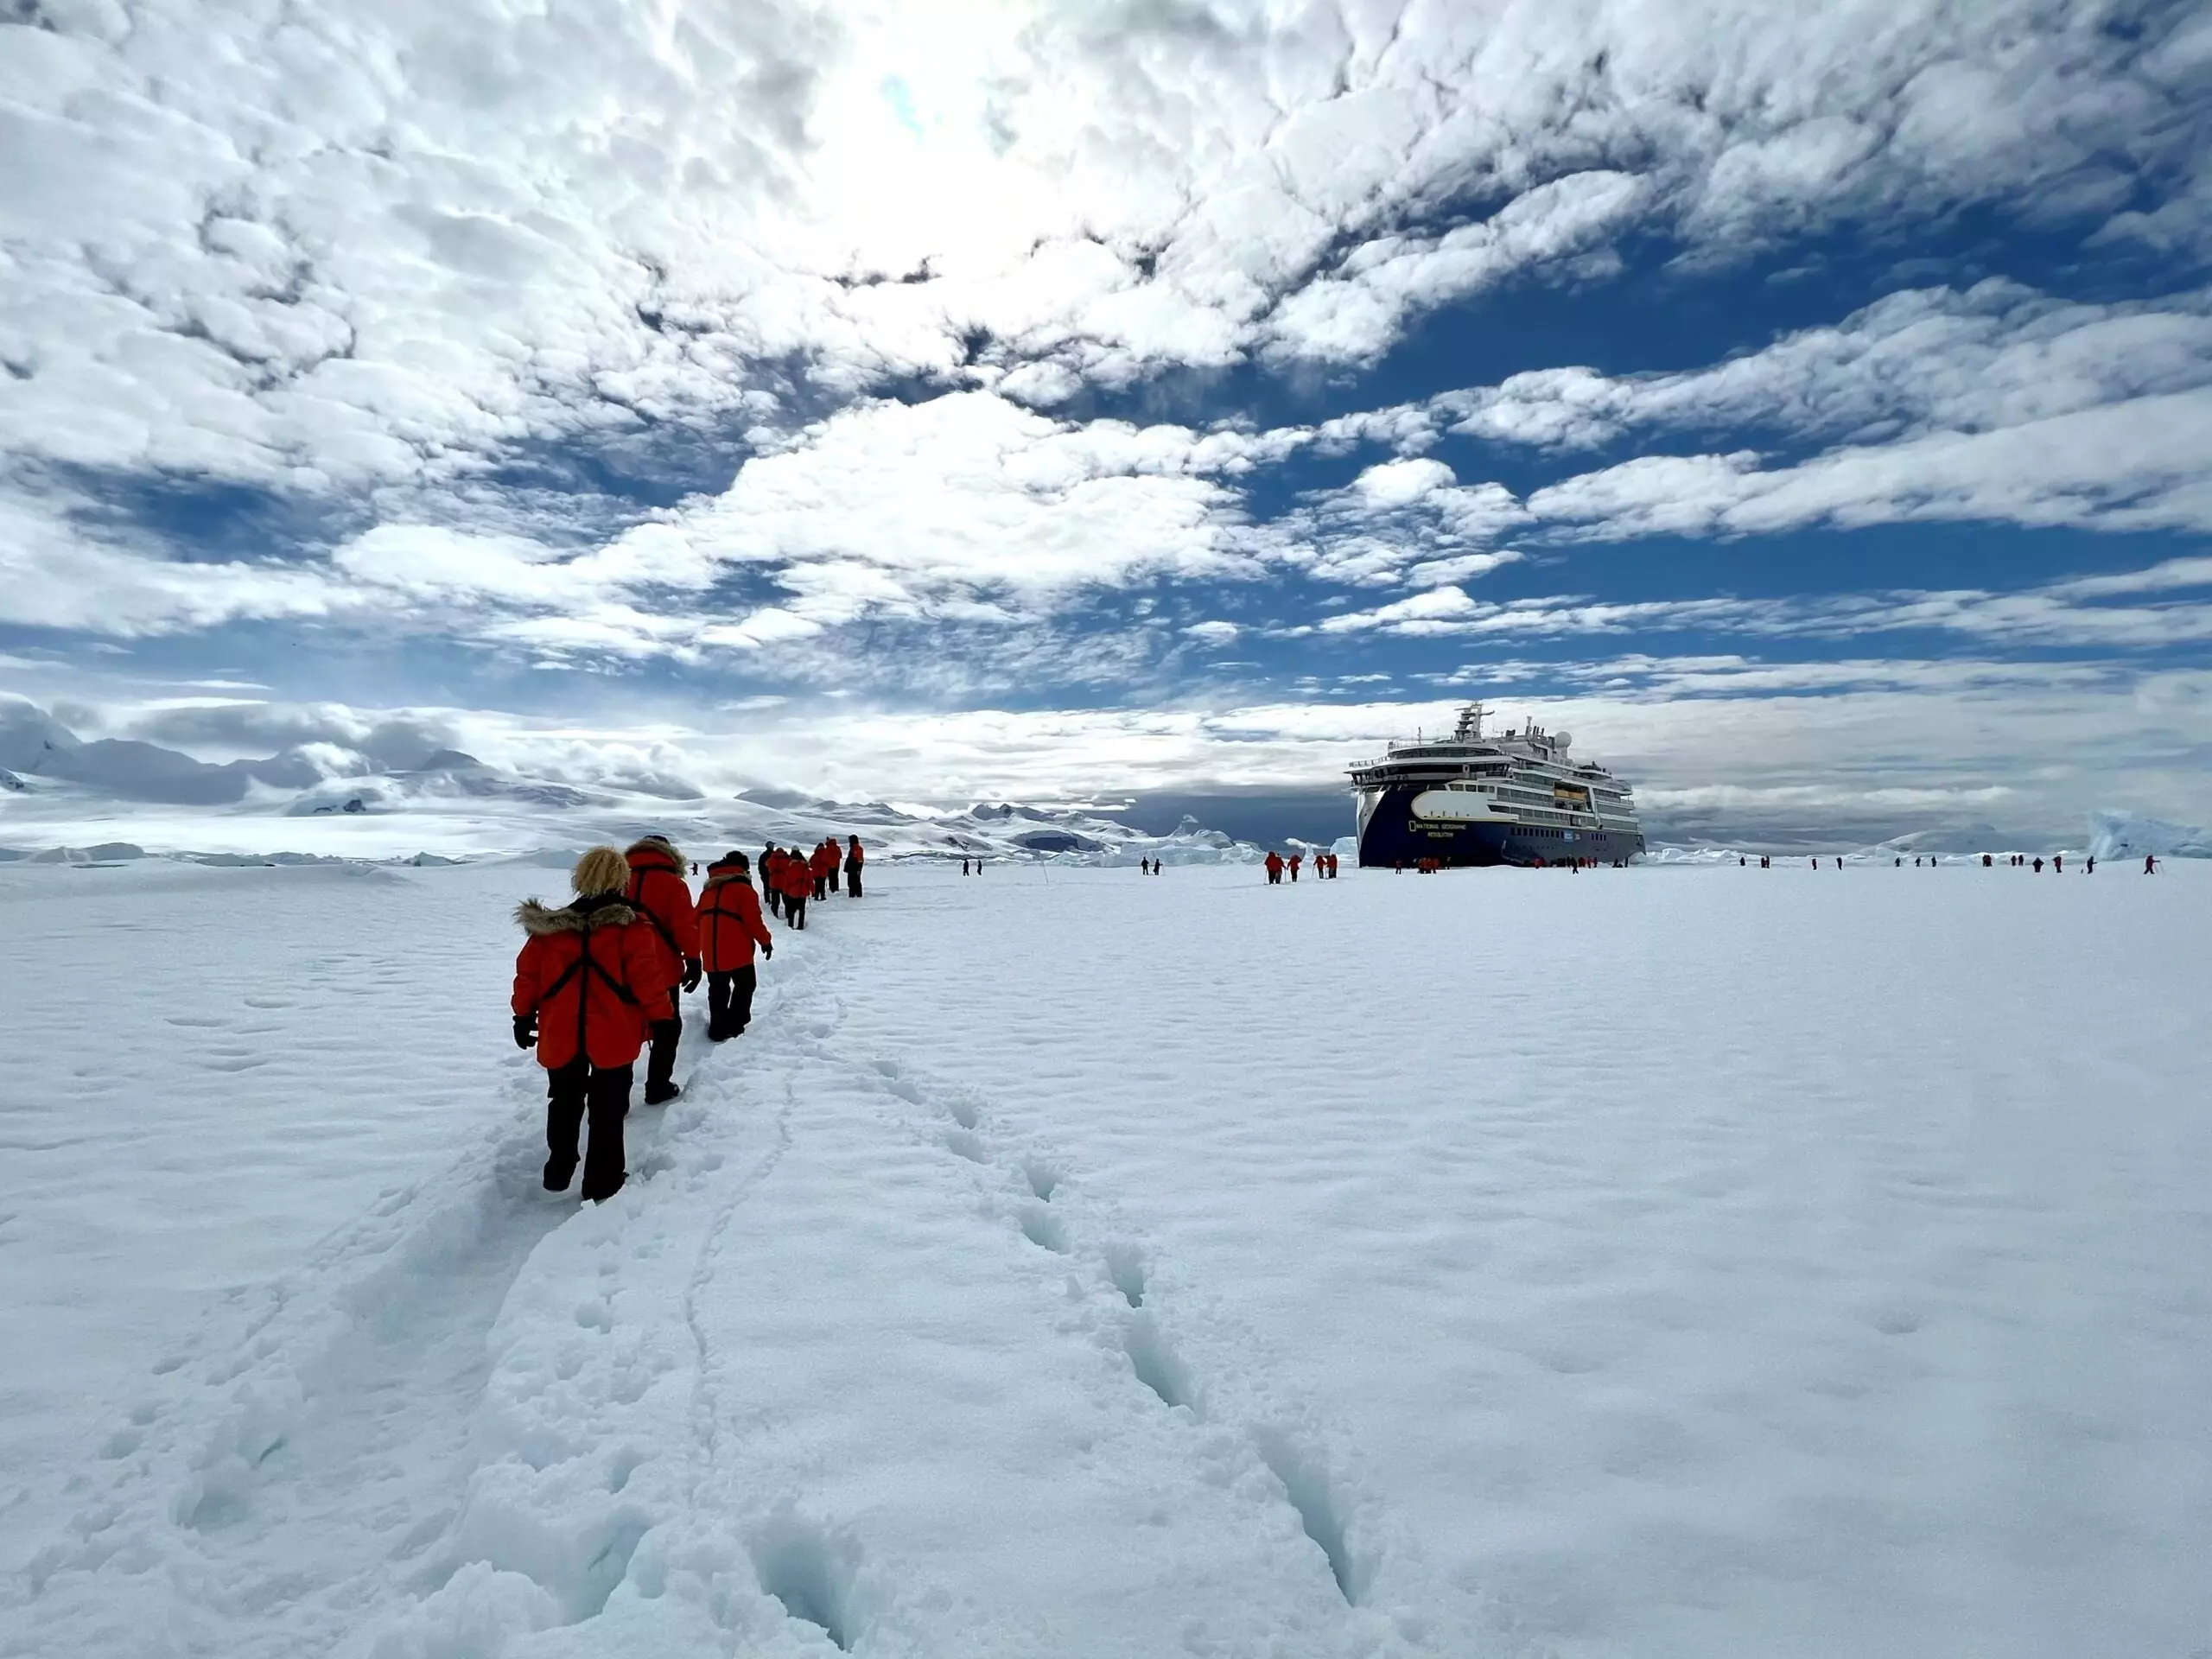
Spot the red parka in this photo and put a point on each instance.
(1275, 863)
(729, 921)
(662, 898)
(794, 879)
(593, 975)
(824, 861)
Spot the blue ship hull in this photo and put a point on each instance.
(1393, 835)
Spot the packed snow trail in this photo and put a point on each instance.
(1639, 1263)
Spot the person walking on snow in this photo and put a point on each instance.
(729, 927)
(1274, 867)
(1295, 859)
(769, 893)
(822, 864)
(658, 893)
(855, 858)
(795, 881)
(2149, 864)
(586, 981)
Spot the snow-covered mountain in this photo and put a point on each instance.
(323, 801)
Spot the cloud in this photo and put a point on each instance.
(337, 248)
(2136, 464)
(1913, 364)
(2050, 615)
(1213, 633)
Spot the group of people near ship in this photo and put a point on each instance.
(2016, 861)
(602, 979)
(1325, 866)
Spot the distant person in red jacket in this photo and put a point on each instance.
(1274, 867)
(658, 893)
(588, 980)
(855, 858)
(729, 927)
(822, 865)
(1296, 859)
(795, 881)
(770, 894)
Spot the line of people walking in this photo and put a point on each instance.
(602, 979)
(1325, 866)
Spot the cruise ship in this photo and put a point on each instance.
(1509, 797)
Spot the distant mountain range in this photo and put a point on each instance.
(57, 791)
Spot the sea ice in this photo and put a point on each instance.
(1678, 1261)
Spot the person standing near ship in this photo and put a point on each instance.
(729, 927)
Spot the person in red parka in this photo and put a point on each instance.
(586, 981)
(1275, 867)
(822, 865)
(855, 858)
(769, 895)
(658, 893)
(795, 881)
(729, 927)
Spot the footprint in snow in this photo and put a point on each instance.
(813, 1571)
(1043, 1229)
(1157, 1365)
(1125, 1269)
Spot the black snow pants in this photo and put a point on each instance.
(729, 1002)
(794, 910)
(660, 1062)
(604, 1090)
(853, 878)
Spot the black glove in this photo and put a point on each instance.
(768, 952)
(691, 972)
(525, 1030)
(664, 1029)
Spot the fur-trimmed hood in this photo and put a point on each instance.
(722, 875)
(653, 851)
(539, 920)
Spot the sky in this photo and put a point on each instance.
(1808, 408)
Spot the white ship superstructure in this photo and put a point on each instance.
(1505, 798)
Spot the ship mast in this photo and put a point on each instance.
(1470, 729)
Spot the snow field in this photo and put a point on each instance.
(1663, 1262)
